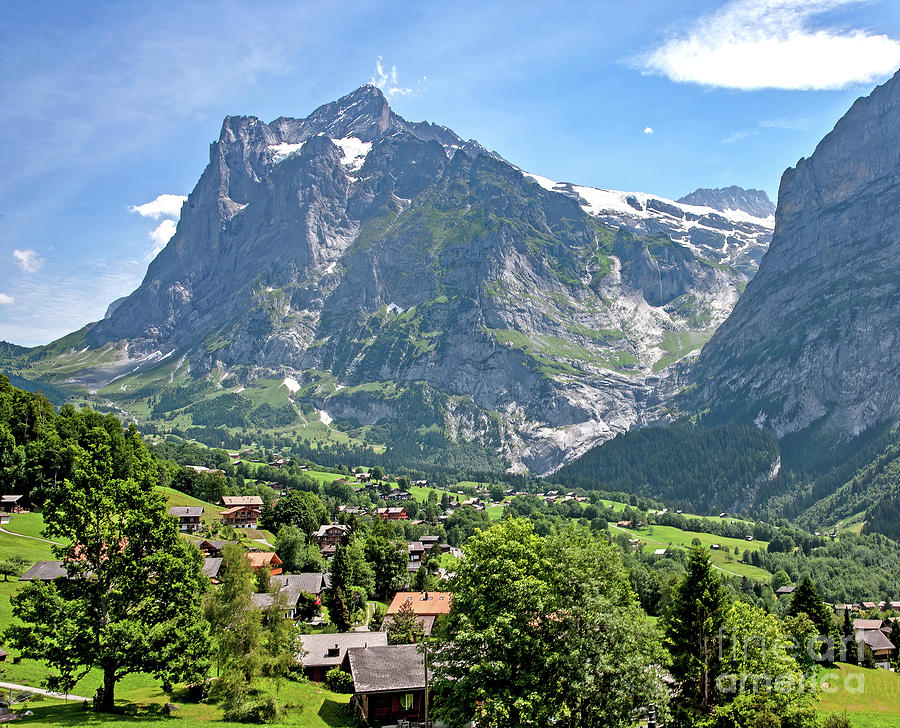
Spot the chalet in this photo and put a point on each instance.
(5, 518)
(363, 477)
(427, 606)
(782, 590)
(624, 524)
(392, 514)
(388, 683)
(260, 559)
(659, 552)
(399, 495)
(213, 548)
(292, 586)
(715, 547)
(14, 503)
(882, 648)
(329, 536)
(241, 511)
(323, 652)
(188, 517)
(279, 463)
(868, 605)
(416, 552)
(634, 543)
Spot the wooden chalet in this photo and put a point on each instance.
(188, 517)
(241, 511)
(388, 683)
(329, 536)
(260, 559)
(392, 514)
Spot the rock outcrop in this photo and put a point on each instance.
(814, 343)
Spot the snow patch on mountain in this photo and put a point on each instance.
(282, 151)
(355, 152)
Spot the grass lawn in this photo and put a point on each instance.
(664, 536)
(177, 498)
(28, 524)
(494, 512)
(304, 704)
(871, 698)
(26, 547)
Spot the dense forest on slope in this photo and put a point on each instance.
(700, 467)
(884, 516)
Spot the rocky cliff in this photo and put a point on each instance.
(353, 275)
(728, 199)
(814, 343)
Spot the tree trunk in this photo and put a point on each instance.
(108, 705)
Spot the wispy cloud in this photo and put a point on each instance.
(736, 136)
(387, 81)
(28, 260)
(164, 205)
(6, 299)
(756, 44)
(791, 124)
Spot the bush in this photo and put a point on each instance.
(260, 710)
(837, 720)
(338, 681)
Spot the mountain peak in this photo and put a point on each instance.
(723, 199)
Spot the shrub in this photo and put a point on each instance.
(338, 681)
(837, 720)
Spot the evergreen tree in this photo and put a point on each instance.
(404, 628)
(692, 627)
(848, 637)
(806, 600)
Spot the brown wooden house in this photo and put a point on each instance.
(323, 652)
(388, 683)
(188, 517)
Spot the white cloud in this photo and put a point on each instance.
(28, 260)
(648, 130)
(6, 299)
(387, 80)
(792, 124)
(160, 235)
(164, 205)
(736, 136)
(755, 44)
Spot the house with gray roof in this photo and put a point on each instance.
(293, 586)
(188, 517)
(882, 648)
(45, 571)
(388, 683)
(322, 652)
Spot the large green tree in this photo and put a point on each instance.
(387, 554)
(131, 602)
(297, 508)
(692, 627)
(806, 600)
(544, 631)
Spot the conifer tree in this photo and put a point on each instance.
(692, 627)
(404, 628)
(806, 600)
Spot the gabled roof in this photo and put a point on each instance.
(293, 585)
(422, 602)
(241, 500)
(10, 498)
(328, 526)
(866, 624)
(212, 567)
(876, 639)
(182, 511)
(214, 545)
(259, 559)
(785, 590)
(45, 571)
(385, 669)
(316, 646)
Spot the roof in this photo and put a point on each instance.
(10, 498)
(876, 639)
(241, 500)
(659, 552)
(785, 590)
(214, 545)
(259, 559)
(316, 646)
(261, 600)
(45, 571)
(422, 602)
(385, 669)
(324, 529)
(866, 624)
(295, 584)
(212, 567)
(181, 511)
(426, 621)
(232, 510)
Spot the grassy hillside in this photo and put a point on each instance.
(871, 698)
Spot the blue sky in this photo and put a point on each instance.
(108, 105)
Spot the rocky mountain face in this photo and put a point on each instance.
(354, 275)
(728, 199)
(813, 346)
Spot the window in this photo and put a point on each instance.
(406, 701)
